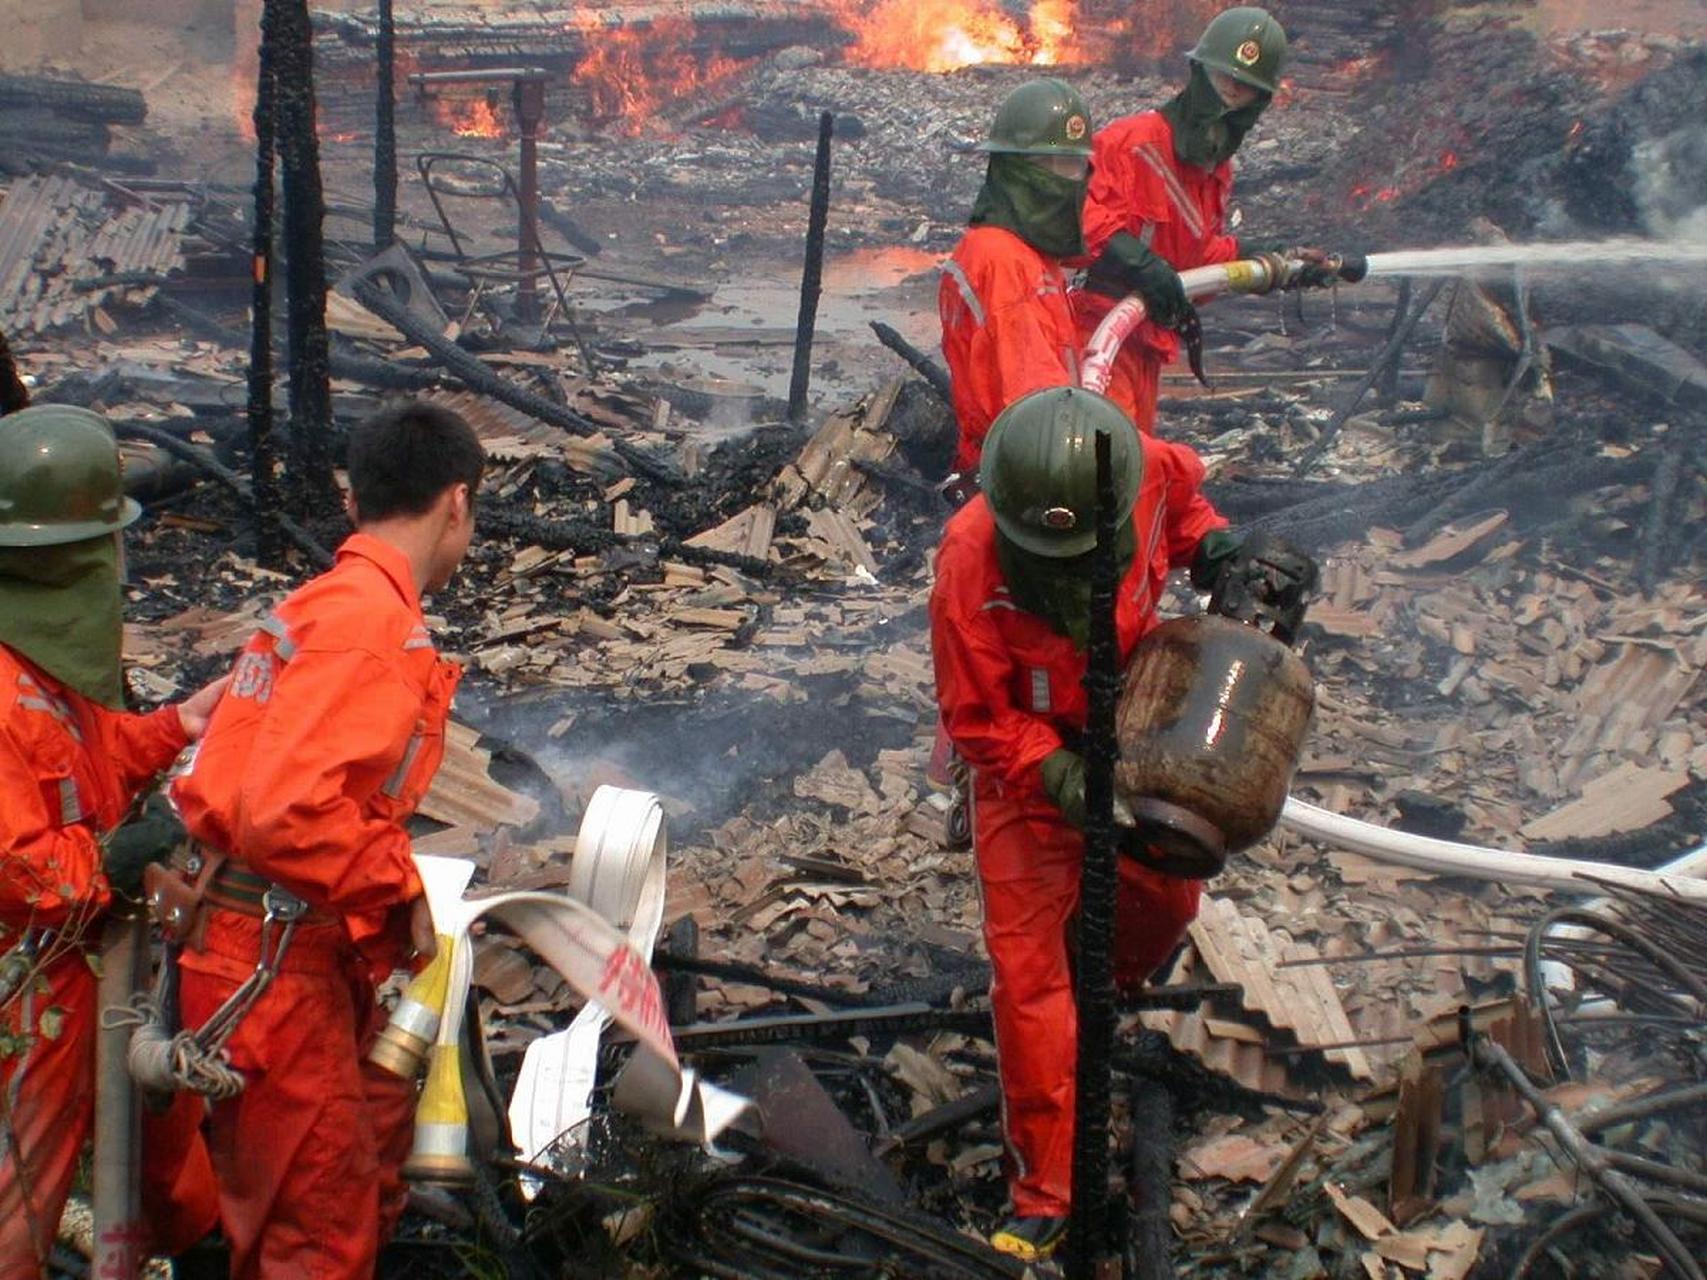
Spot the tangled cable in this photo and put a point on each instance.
(162, 1062)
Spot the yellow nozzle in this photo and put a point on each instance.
(402, 1044)
(441, 1123)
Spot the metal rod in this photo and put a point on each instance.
(1088, 1242)
(263, 451)
(1493, 1058)
(812, 278)
(1641, 1108)
(385, 131)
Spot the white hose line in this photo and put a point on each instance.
(618, 871)
(1681, 878)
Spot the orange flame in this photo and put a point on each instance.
(632, 73)
(470, 118)
(946, 35)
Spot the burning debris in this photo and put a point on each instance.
(1351, 1066)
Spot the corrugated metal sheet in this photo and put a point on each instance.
(57, 234)
(1283, 1008)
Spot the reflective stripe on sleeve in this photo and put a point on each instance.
(1181, 199)
(954, 271)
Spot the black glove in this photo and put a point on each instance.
(1064, 783)
(1127, 265)
(1213, 552)
(146, 838)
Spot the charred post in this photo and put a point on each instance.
(1094, 994)
(313, 491)
(385, 131)
(263, 452)
(812, 278)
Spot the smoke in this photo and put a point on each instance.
(1669, 177)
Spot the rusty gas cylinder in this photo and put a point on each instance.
(1211, 723)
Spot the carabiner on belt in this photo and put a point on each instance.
(279, 907)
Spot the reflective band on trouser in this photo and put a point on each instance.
(1180, 197)
(394, 784)
(968, 294)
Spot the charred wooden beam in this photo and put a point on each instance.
(1151, 1232)
(385, 130)
(312, 486)
(74, 100)
(263, 455)
(932, 372)
(812, 277)
(473, 373)
(317, 555)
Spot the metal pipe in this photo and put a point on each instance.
(385, 131)
(115, 1182)
(811, 279)
(1492, 1058)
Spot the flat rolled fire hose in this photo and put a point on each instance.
(618, 871)
(597, 962)
(1449, 858)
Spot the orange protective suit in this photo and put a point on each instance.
(69, 769)
(1010, 690)
(1006, 331)
(324, 744)
(1179, 210)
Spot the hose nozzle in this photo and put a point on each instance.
(1350, 267)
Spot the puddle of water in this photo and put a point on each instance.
(895, 284)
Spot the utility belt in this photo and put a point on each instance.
(163, 1058)
(197, 877)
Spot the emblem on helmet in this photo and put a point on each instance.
(1059, 519)
(1075, 127)
(1248, 53)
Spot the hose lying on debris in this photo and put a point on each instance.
(1680, 878)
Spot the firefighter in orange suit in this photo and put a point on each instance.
(1006, 325)
(1161, 182)
(73, 765)
(329, 737)
(1010, 619)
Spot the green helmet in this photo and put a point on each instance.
(59, 477)
(1039, 469)
(1245, 43)
(1042, 118)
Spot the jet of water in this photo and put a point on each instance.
(1688, 256)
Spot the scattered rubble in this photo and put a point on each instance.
(676, 590)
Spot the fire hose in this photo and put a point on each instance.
(588, 952)
(1263, 273)
(618, 870)
(1680, 878)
